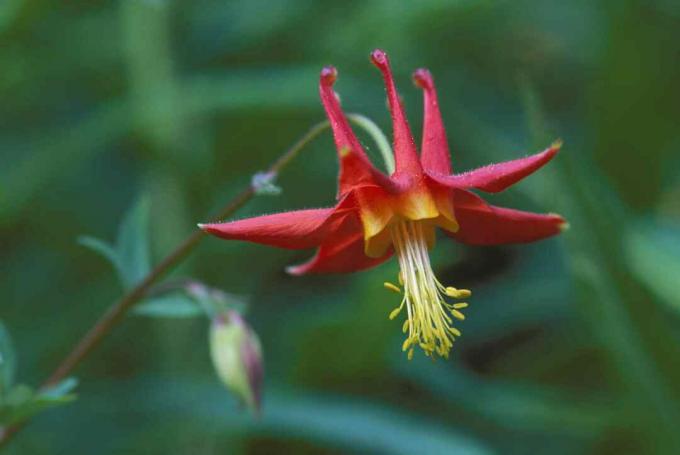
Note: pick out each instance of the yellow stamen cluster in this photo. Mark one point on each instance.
(429, 314)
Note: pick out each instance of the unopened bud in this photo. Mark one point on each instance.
(237, 357)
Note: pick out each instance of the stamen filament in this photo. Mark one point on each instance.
(429, 319)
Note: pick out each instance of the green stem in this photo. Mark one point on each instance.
(116, 311)
(378, 136)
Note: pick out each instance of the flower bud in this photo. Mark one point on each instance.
(237, 357)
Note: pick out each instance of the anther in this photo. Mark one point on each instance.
(395, 312)
(460, 305)
(392, 287)
(458, 315)
(458, 293)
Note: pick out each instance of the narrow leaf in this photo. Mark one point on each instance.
(60, 390)
(132, 246)
(176, 305)
(104, 250)
(22, 402)
(7, 360)
(654, 258)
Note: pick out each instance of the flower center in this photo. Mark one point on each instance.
(429, 314)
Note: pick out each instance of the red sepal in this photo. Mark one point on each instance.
(342, 252)
(355, 167)
(297, 229)
(434, 152)
(497, 177)
(484, 224)
(405, 154)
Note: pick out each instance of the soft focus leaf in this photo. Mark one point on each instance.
(653, 255)
(360, 424)
(175, 305)
(104, 250)
(627, 332)
(132, 245)
(191, 299)
(348, 424)
(130, 256)
(513, 405)
(7, 360)
(51, 157)
(9, 9)
(215, 301)
(61, 390)
(22, 402)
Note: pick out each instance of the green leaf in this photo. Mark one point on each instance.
(130, 256)
(216, 301)
(176, 305)
(103, 249)
(653, 255)
(514, 405)
(190, 300)
(9, 10)
(132, 246)
(352, 425)
(7, 360)
(61, 389)
(22, 402)
(373, 427)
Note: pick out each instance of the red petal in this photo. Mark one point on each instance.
(497, 177)
(342, 252)
(295, 230)
(405, 154)
(484, 224)
(355, 167)
(434, 152)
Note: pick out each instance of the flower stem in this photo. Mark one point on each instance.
(116, 311)
(378, 136)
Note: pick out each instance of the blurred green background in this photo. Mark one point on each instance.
(571, 345)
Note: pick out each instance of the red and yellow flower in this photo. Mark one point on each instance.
(377, 215)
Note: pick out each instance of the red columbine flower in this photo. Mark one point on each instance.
(377, 215)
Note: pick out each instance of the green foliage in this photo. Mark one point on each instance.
(8, 12)
(131, 259)
(19, 402)
(8, 362)
(22, 402)
(130, 256)
(175, 305)
(653, 255)
(191, 300)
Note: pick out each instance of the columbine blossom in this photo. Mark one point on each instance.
(377, 215)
